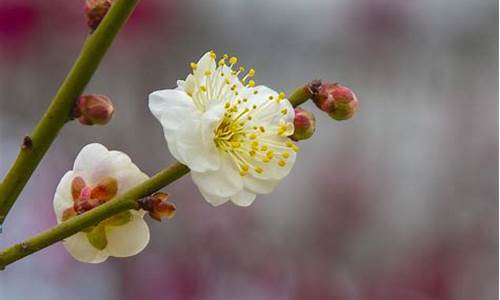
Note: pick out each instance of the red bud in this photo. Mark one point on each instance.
(93, 109)
(338, 101)
(95, 10)
(304, 124)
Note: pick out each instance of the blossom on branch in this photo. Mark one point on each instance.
(98, 175)
(232, 134)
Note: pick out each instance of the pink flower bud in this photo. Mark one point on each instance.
(93, 109)
(337, 100)
(95, 10)
(304, 123)
(158, 206)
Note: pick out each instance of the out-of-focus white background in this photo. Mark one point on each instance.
(401, 202)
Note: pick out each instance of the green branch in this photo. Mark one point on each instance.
(121, 203)
(59, 112)
(300, 95)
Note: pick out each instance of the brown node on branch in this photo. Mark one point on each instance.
(313, 87)
(158, 206)
(27, 143)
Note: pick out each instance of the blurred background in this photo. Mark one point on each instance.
(401, 202)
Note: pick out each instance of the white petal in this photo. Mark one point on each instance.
(194, 148)
(63, 198)
(102, 164)
(171, 108)
(272, 170)
(89, 158)
(214, 200)
(262, 96)
(129, 239)
(258, 185)
(181, 85)
(290, 115)
(206, 63)
(224, 182)
(80, 248)
(243, 198)
(185, 129)
(188, 85)
(128, 177)
(269, 113)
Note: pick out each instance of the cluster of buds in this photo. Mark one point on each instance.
(338, 101)
(95, 10)
(93, 109)
(158, 206)
(304, 124)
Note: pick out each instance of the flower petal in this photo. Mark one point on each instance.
(80, 248)
(206, 63)
(214, 200)
(224, 182)
(129, 239)
(243, 198)
(194, 148)
(62, 197)
(96, 162)
(258, 185)
(172, 108)
(185, 129)
(128, 177)
(90, 158)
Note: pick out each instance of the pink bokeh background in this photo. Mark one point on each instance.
(401, 202)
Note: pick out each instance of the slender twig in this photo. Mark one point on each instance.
(36, 145)
(126, 201)
(303, 93)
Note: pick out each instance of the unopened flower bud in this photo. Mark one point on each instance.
(95, 10)
(93, 109)
(337, 100)
(158, 206)
(304, 123)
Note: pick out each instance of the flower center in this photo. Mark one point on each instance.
(247, 131)
(86, 198)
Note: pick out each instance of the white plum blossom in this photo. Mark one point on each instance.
(232, 134)
(97, 176)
